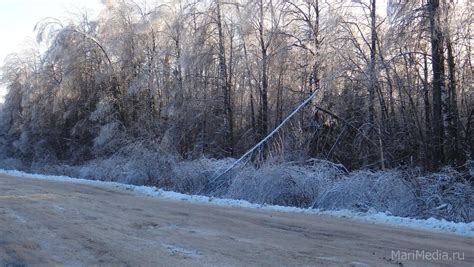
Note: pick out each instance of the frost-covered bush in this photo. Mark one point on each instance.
(54, 169)
(117, 169)
(193, 176)
(399, 192)
(362, 190)
(12, 164)
(402, 193)
(285, 184)
(445, 194)
(140, 164)
(318, 184)
(134, 164)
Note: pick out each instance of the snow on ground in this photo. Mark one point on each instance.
(372, 216)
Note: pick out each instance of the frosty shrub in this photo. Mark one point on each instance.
(317, 184)
(193, 176)
(445, 194)
(140, 165)
(12, 164)
(54, 169)
(402, 193)
(135, 163)
(286, 184)
(362, 190)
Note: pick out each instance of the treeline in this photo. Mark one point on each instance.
(211, 78)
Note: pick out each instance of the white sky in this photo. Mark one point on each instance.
(18, 18)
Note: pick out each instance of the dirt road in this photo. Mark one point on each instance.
(58, 223)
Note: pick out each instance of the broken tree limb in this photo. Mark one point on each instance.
(264, 140)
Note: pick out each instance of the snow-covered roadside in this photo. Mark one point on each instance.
(431, 224)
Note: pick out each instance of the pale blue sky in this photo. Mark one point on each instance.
(18, 18)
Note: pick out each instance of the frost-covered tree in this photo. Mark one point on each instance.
(197, 78)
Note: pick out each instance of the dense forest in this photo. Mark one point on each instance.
(208, 79)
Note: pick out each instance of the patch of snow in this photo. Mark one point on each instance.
(13, 214)
(356, 263)
(58, 207)
(371, 216)
(332, 258)
(181, 251)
